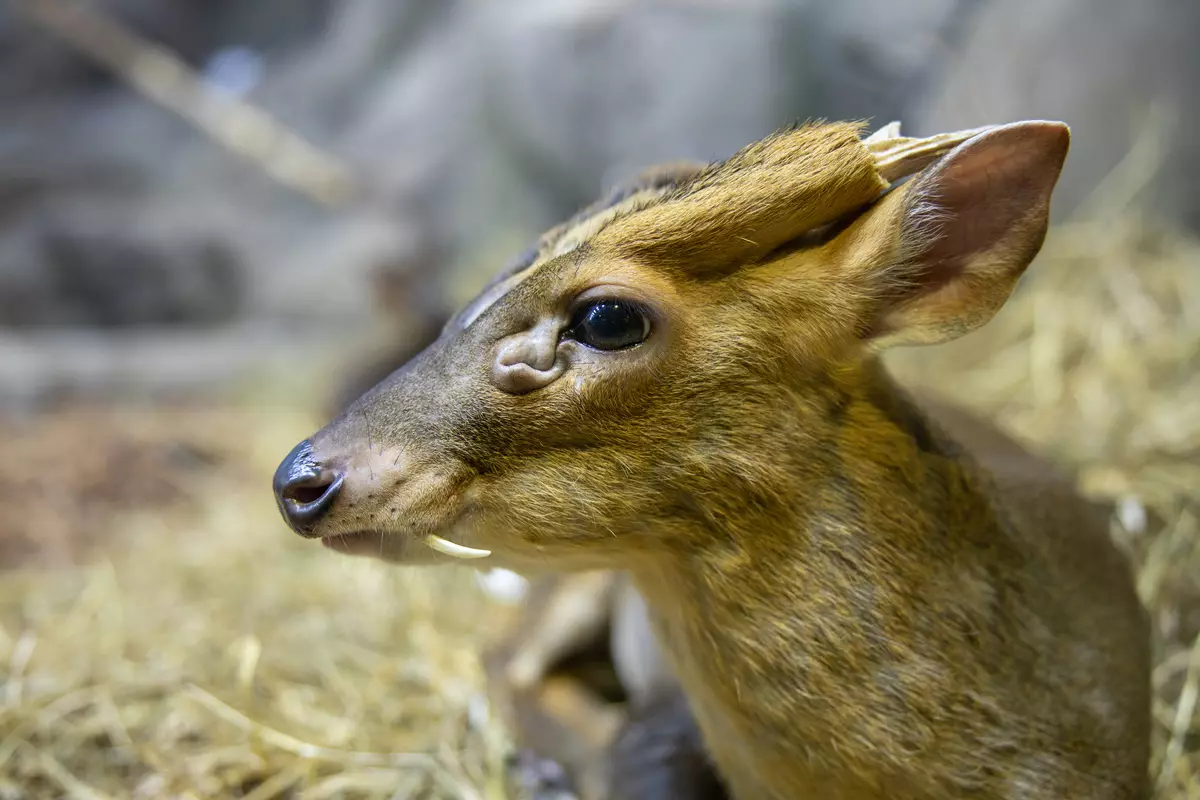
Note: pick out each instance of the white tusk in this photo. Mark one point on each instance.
(456, 550)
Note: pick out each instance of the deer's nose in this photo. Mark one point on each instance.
(304, 489)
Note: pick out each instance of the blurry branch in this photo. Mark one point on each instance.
(167, 80)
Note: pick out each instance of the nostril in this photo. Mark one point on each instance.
(305, 500)
(307, 492)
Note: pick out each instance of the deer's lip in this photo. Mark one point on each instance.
(366, 541)
(339, 541)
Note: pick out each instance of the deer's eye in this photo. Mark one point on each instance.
(609, 325)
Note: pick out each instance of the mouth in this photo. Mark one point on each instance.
(366, 540)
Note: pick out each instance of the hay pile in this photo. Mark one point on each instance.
(68, 469)
(211, 654)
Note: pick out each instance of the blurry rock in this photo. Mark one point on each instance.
(1104, 67)
(867, 58)
(34, 63)
(75, 136)
(104, 274)
(111, 281)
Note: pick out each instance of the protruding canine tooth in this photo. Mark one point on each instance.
(455, 550)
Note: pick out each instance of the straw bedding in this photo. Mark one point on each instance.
(201, 651)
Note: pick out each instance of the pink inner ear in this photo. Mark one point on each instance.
(979, 195)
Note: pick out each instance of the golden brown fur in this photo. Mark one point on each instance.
(856, 603)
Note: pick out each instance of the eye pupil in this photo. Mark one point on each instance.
(610, 325)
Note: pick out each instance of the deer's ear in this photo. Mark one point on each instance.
(961, 233)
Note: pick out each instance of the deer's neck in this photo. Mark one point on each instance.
(801, 624)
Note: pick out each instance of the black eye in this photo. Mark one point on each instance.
(609, 325)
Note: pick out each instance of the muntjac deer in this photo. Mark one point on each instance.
(860, 595)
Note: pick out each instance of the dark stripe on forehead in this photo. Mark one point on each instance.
(498, 288)
(647, 188)
(654, 179)
(471, 310)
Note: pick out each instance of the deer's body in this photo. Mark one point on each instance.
(891, 636)
(858, 598)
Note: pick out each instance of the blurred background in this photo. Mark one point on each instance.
(222, 219)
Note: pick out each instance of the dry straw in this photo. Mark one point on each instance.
(208, 653)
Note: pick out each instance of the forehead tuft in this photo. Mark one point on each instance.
(647, 189)
(791, 182)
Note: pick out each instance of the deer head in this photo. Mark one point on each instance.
(671, 355)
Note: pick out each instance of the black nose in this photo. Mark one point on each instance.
(304, 489)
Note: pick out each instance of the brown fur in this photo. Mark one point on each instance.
(857, 603)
